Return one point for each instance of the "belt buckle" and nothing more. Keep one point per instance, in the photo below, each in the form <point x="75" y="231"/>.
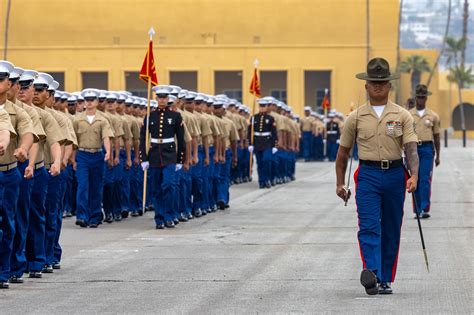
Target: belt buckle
<point x="385" y="164"/>
<point x="419" y="142"/>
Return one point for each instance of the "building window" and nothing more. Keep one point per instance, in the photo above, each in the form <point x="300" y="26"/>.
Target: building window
<point x="315" y="82"/>
<point x="184" y="79"/>
<point x="228" y="83"/>
<point x="274" y="83"/>
<point x="279" y="95"/>
<point x="96" y="80"/>
<point x="58" y="76"/>
<point x="134" y="85"/>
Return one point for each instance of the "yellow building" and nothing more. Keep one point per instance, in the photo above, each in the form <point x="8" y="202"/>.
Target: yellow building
<point x="303" y="46"/>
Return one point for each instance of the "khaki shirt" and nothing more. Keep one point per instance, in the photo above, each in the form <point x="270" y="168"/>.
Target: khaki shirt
<point x="62" y="121"/>
<point x="134" y="127"/>
<point x="318" y="127"/>
<point x="379" y="139"/>
<point x="116" y="124"/>
<point x="215" y="128"/>
<point x="427" y="125"/>
<point x="127" y="130"/>
<point x="187" y="135"/>
<point x="53" y="134"/>
<point x="233" y="117"/>
<point x="189" y="122"/>
<point x="22" y="124"/>
<point x="6" y="124"/>
<point x="35" y="119"/>
<point x="280" y="125"/>
<point x="204" y="125"/>
<point x="230" y="133"/>
<point x="307" y="123"/>
<point x="90" y="136"/>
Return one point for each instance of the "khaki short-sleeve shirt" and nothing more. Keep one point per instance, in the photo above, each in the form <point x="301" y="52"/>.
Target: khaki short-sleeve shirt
<point x="35" y="119"/>
<point x="134" y="127"/>
<point x="90" y="136"/>
<point x="379" y="138"/>
<point x="189" y="122"/>
<point x="307" y="123"/>
<point x="204" y="124"/>
<point x="62" y="122"/>
<point x="427" y="125"/>
<point x="280" y="124"/>
<point x="51" y="128"/>
<point x="22" y="124"/>
<point x="6" y="124"/>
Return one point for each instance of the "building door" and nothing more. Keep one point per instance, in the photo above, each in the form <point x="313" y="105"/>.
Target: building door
<point x="184" y="79"/>
<point x="315" y="82"/>
<point x="274" y="83"/>
<point x="228" y="83"/>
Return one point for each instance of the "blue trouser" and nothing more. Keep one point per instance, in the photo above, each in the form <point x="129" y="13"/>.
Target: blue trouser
<point x="205" y="183"/>
<point x="332" y="147"/>
<point x="57" y="252"/>
<point x="135" y="191"/>
<point x="425" y="173"/>
<point x="307" y="141"/>
<point x="178" y="203"/>
<point x="211" y="197"/>
<point x="246" y="163"/>
<point x="90" y="173"/>
<point x="355" y="152"/>
<point x="240" y="163"/>
<point x="163" y="192"/>
<point x="188" y="190"/>
<point x="108" y="190"/>
<point x="18" y="258"/>
<point x="224" y="178"/>
<point x="196" y="176"/>
<point x="318" y="148"/>
<point x="35" y="252"/>
<point x="264" y="165"/>
<point x="9" y="192"/>
<point x="380" y="195"/>
<point x="71" y="190"/>
<point x="116" y="203"/>
<point x="51" y="216"/>
<point x="124" y="183"/>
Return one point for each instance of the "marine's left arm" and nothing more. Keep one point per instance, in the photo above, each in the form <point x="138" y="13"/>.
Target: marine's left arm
<point x="410" y="144"/>
<point x="436" y="138"/>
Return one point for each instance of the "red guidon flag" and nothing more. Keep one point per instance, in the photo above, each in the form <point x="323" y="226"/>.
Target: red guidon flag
<point x="255" y="84"/>
<point x="148" y="72"/>
<point x="325" y="103"/>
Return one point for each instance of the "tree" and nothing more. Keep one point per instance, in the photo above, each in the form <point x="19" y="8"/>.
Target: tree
<point x="446" y="31"/>
<point x="455" y="46"/>
<point x="465" y="18"/>
<point x="461" y="77"/>
<point x="416" y="65"/>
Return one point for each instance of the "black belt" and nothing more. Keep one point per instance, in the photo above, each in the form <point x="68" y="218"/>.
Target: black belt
<point x="425" y="142"/>
<point x="384" y="164"/>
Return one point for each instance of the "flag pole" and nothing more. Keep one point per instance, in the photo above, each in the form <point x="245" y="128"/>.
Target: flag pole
<point x="151" y="32"/>
<point x="252" y="120"/>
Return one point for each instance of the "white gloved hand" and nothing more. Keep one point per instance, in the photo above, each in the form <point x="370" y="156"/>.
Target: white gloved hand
<point x="324" y="140"/>
<point x="338" y="141"/>
<point x="178" y="167"/>
<point x="274" y="150"/>
<point x="145" y="165"/>
<point x="251" y="148"/>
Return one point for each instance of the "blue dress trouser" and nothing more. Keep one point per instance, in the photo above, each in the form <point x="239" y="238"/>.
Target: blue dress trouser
<point x="18" y="259"/>
<point x="90" y="173"/>
<point x="51" y="216"/>
<point x="205" y="183"/>
<point x="307" y="140"/>
<point x="332" y="148"/>
<point x="196" y="176"/>
<point x="188" y="197"/>
<point x="35" y="251"/>
<point x="108" y="190"/>
<point x="425" y="173"/>
<point x="125" y="183"/>
<point x="57" y="252"/>
<point x="264" y="165"/>
<point x="71" y="189"/>
<point x="163" y="192"/>
<point x="9" y="192"/>
<point x="212" y="177"/>
<point x="224" y="178"/>
<point x="318" y="144"/>
<point x="380" y="196"/>
<point x="135" y="192"/>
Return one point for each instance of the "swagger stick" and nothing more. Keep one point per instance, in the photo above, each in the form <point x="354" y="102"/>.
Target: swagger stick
<point x="348" y="187"/>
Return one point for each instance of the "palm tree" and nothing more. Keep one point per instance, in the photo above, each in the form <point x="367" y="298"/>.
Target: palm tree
<point x="446" y="31"/>
<point x="455" y="46"/>
<point x="416" y="65"/>
<point x="462" y="77"/>
<point x="465" y="18"/>
<point x="397" y="68"/>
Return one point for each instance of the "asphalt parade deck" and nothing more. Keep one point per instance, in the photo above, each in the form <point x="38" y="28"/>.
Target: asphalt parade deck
<point x="289" y="249"/>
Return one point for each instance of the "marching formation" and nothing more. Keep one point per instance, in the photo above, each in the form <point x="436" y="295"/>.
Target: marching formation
<point x="95" y="155"/>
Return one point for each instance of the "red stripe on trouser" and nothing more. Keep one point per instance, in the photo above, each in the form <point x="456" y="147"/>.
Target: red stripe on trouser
<point x="356" y="176"/>
<point x="395" y="263"/>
